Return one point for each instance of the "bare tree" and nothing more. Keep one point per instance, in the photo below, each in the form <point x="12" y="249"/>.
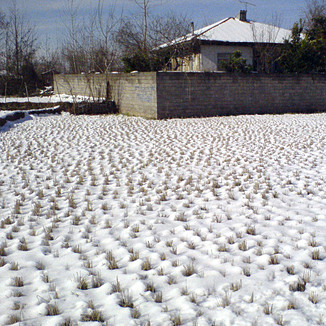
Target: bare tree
<point x="70" y="46"/>
<point x="266" y="49"/>
<point x="20" y="41"/>
<point x="165" y="29"/>
<point x="314" y="9"/>
<point x="89" y="41"/>
<point x="144" y="6"/>
<point x="104" y="50"/>
<point x="3" y="26"/>
<point x="139" y="39"/>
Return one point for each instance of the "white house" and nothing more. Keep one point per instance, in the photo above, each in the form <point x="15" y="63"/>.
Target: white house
<point x="204" y="49"/>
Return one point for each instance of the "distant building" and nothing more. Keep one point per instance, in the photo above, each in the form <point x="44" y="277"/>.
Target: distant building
<point x="204" y="49"/>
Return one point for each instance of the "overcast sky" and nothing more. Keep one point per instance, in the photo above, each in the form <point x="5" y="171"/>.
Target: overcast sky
<point x="49" y="15"/>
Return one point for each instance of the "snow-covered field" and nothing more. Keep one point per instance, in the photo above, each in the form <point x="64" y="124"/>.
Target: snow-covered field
<point x="45" y="99"/>
<point x="126" y="221"/>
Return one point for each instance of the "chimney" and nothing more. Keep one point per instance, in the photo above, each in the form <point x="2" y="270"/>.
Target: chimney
<point x="192" y="25"/>
<point x="242" y="16"/>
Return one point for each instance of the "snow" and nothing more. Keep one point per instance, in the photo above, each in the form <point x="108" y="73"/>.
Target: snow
<point x="234" y="30"/>
<point x="46" y="99"/>
<point x="5" y="113"/>
<point x="222" y="216"/>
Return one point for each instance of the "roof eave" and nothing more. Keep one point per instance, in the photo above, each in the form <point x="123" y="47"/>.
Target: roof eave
<point x="215" y="42"/>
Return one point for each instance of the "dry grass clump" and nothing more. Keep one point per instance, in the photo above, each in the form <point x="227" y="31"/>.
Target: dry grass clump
<point x="146" y="265"/>
<point x="299" y="286"/>
<point x="268" y="309"/>
<point x="126" y="300"/>
<point x="13" y="319"/>
<point x="96" y="281"/>
<point x="189" y="269"/>
<point x="112" y="261"/>
<point x="52" y="310"/>
<point x="226" y="300"/>
<point x="82" y="282"/>
<point x="93" y="315"/>
<point x="243" y="245"/>
<point x="315" y="255"/>
<point x="290" y="270"/>
<point x="176" y="320"/>
<point x="158" y="298"/>
<point x="135" y="313"/>
<point x="2" y="262"/>
<point x="3" y="250"/>
<point x="14" y="266"/>
<point x="273" y="260"/>
<point x="23" y="245"/>
<point x="236" y="286"/>
<point x="18" y="281"/>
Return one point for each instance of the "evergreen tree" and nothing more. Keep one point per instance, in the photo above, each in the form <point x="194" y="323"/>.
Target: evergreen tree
<point x="306" y="51"/>
<point x="236" y="63"/>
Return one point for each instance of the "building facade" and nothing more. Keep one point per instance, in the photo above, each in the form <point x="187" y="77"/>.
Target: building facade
<point x="205" y="49"/>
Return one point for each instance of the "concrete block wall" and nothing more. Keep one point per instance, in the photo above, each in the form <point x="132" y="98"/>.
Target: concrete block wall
<point x="211" y="94"/>
<point x="92" y="85"/>
<point x="135" y="93"/>
<point x="164" y="95"/>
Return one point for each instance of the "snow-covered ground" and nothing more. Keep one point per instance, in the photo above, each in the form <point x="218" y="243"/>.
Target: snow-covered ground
<point x="5" y="113"/>
<point x="46" y="99"/>
<point x="217" y="221"/>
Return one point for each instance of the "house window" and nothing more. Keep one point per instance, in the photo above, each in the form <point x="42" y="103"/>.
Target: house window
<point x="222" y="57"/>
